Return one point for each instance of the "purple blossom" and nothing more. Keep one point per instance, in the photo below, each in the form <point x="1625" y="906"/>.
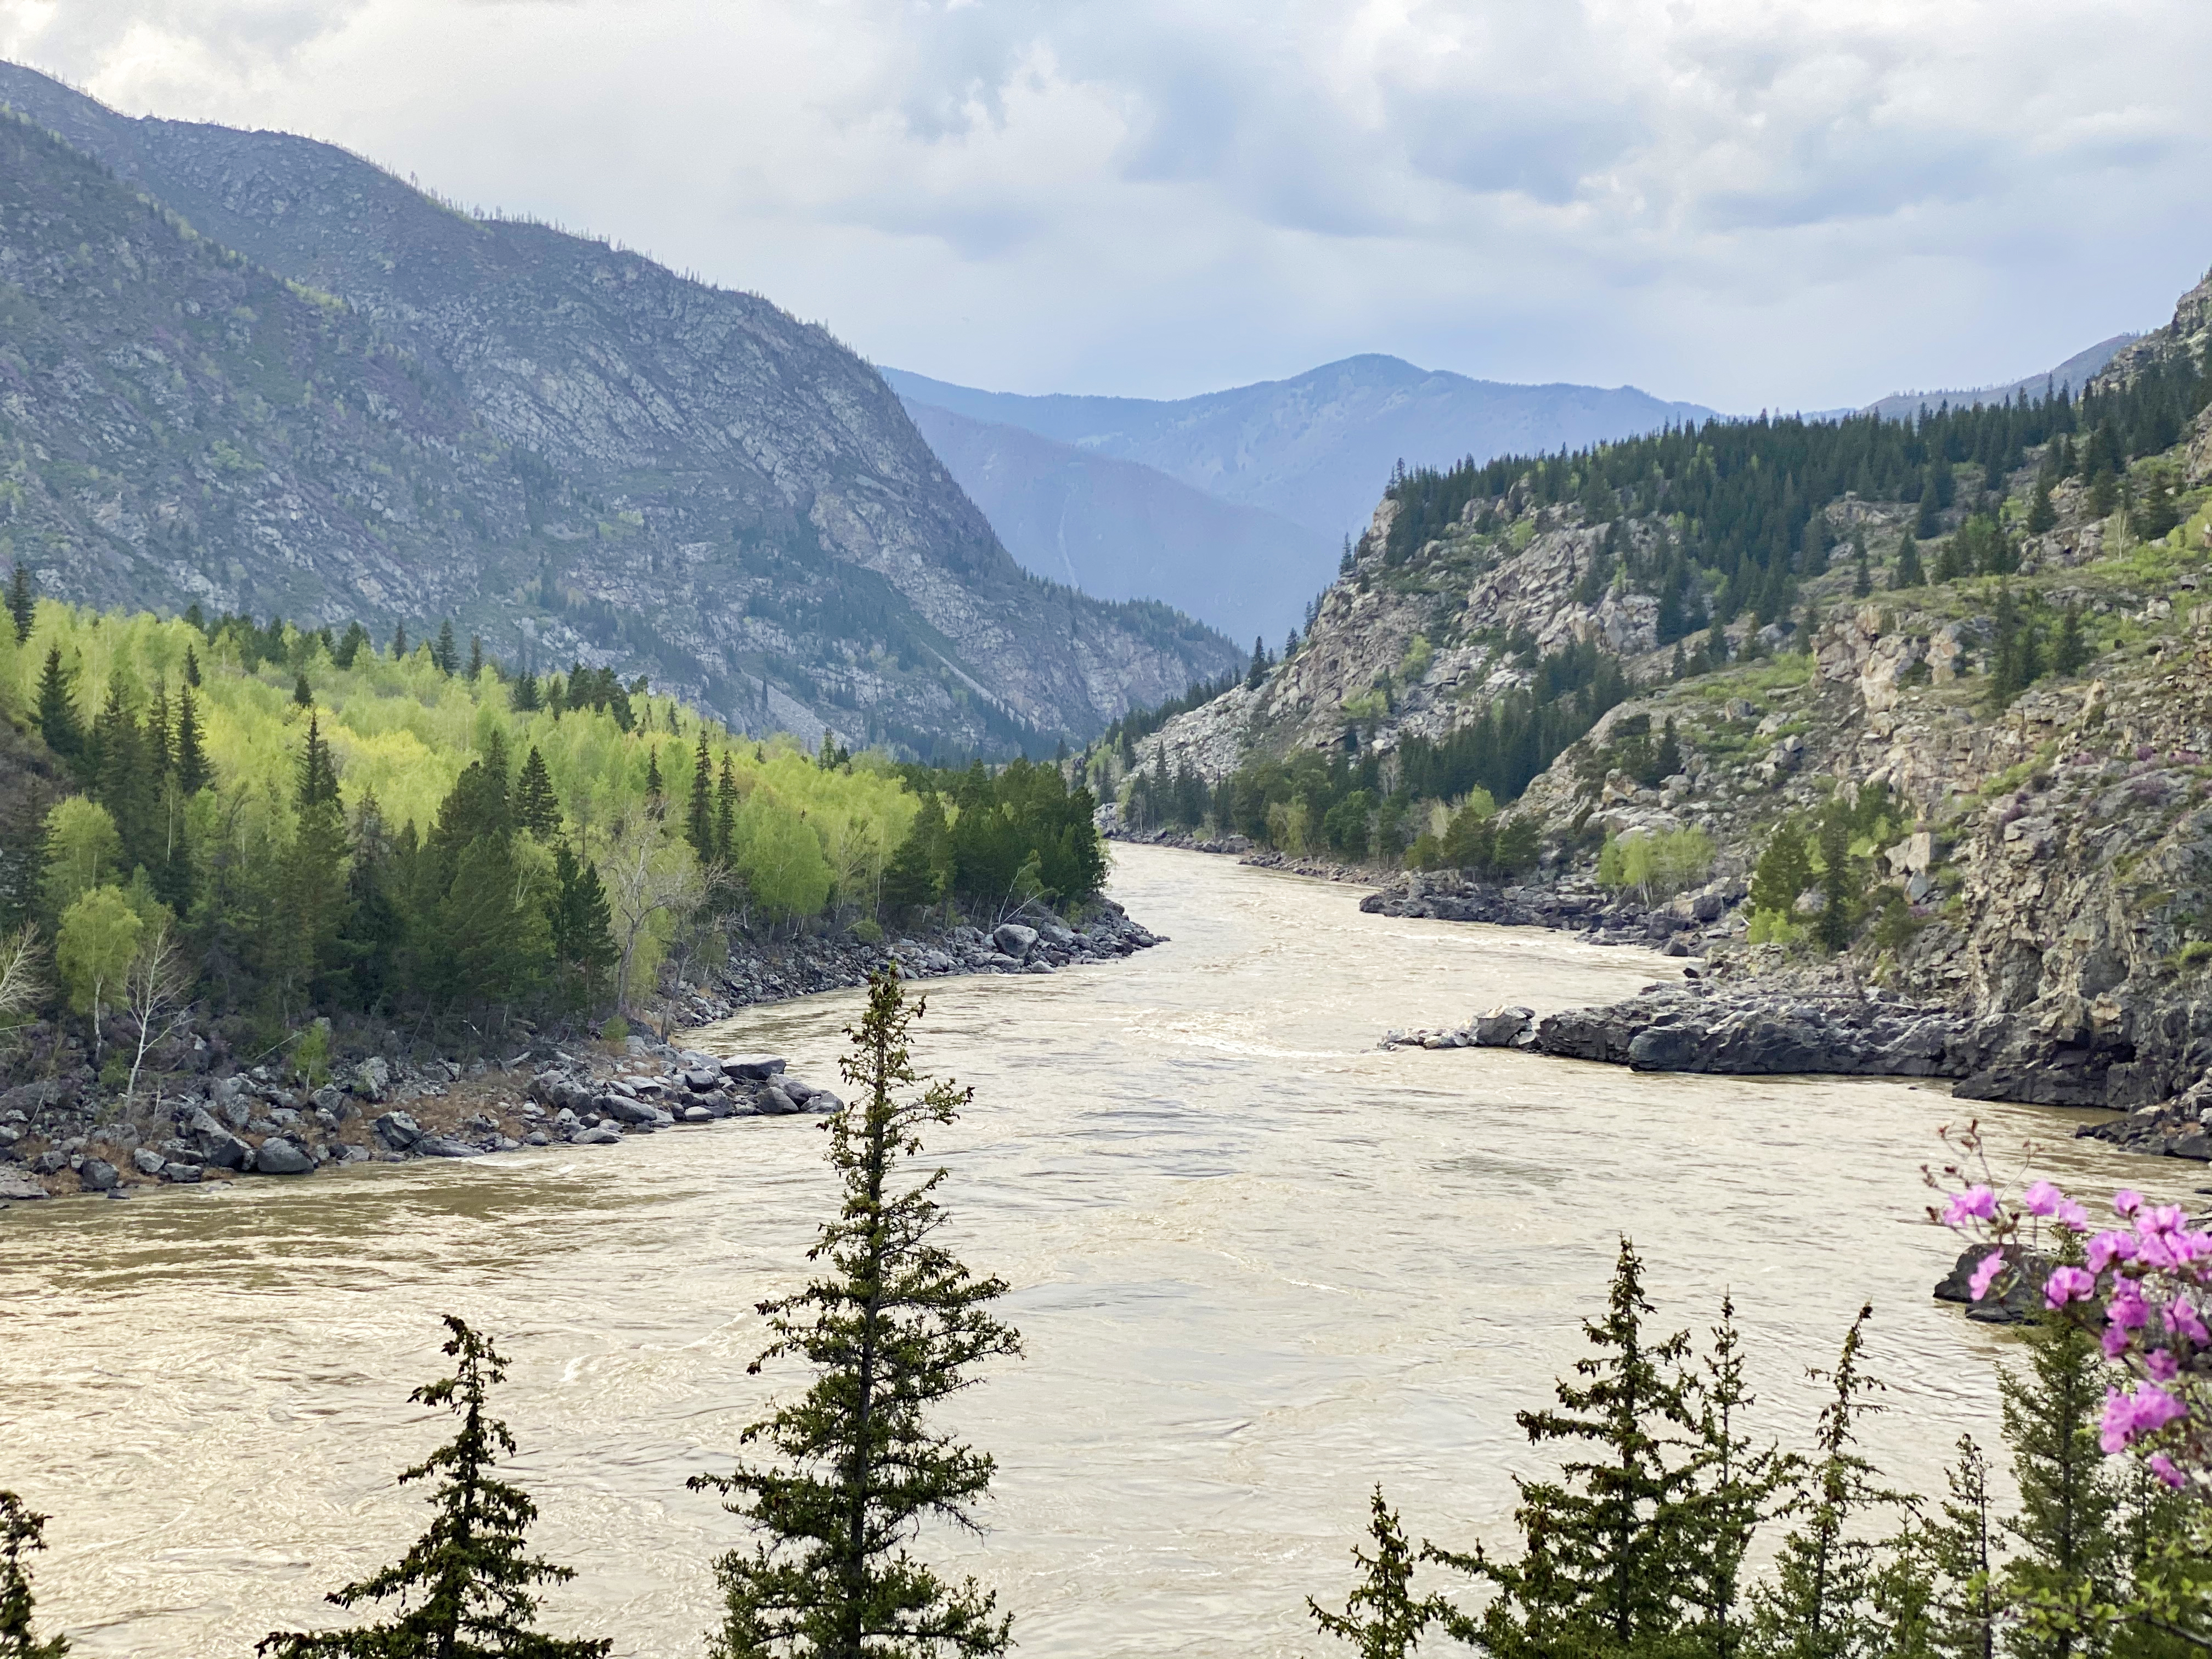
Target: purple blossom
<point x="2126" y="1201"/>
<point x="2129" y="1417"/>
<point x="2068" y="1284"/>
<point x="2044" y="1199"/>
<point x="1985" y="1274"/>
<point x="1975" y="1204"/>
<point x="2162" y="1466"/>
<point x="2105" y="1249"/>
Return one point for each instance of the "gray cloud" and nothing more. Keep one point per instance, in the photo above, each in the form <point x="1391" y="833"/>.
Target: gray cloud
<point x="1746" y="202"/>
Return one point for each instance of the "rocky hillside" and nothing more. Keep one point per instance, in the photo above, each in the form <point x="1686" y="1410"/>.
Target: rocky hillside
<point x="2013" y="738"/>
<point x="263" y="374"/>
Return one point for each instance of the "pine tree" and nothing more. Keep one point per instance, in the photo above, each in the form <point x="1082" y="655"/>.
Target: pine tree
<point x="2072" y="652"/>
<point x="303" y="694"/>
<point x="445" y="655"/>
<point x="726" y="816"/>
<point x="1838" y="892"/>
<point x="125" y="778"/>
<point x="1962" y="1549"/>
<point x="1734" y="1481"/>
<point x="1820" y="1602"/>
<point x="1383" y="1619"/>
<point x="655" y="791"/>
<point x="2156" y="514"/>
<point x="1258" y="671"/>
<point x="893" y="1328"/>
<point x="582" y="926"/>
<point x="1861" y="578"/>
<point x="476" y="658"/>
<point x="191" y="667"/>
<point x="467" y="1578"/>
<point x="1784" y="871"/>
<point x="312" y="916"/>
<point x="2066" y="1564"/>
<point x="525" y="698"/>
<point x="398" y="640"/>
<point x="916" y="877"/>
<point x="349" y="647"/>
<point x="23" y="603"/>
<point x="22" y="1534"/>
<point x="193" y="773"/>
<point x="699" y="819"/>
<point x="2042" y="516"/>
<point x="58" y="716"/>
<point x="536" y="809"/>
<point x="2164" y="1535"/>
<point x="1611" y="1547"/>
<point x="1908" y="573"/>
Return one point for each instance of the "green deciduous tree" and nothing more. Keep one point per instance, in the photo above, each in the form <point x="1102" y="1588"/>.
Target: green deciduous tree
<point x="22" y="1535"/>
<point x="466" y="1586"/>
<point x="892" y="1328"/>
<point x="94" y="948"/>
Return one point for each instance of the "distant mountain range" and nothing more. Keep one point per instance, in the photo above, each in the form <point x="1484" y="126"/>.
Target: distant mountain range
<point x="2071" y="376"/>
<point x="256" y="372"/>
<point x="1302" y="459"/>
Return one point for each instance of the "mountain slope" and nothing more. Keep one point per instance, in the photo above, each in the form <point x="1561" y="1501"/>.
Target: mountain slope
<point x="1310" y="448"/>
<point x="1121" y="530"/>
<point x="2071" y="375"/>
<point x="699" y="485"/>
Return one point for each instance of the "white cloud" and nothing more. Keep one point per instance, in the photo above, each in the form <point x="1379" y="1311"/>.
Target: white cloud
<point x="1745" y="202"/>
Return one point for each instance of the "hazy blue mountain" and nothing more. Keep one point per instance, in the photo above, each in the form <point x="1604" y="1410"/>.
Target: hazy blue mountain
<point x="2073" y="374"/>
<point x="1121" y="530"/>
<point x="323" y="392"/>
<point x="1316" y="449"/>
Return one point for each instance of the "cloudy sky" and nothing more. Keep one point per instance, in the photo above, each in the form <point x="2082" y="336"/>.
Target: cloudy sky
<point x="1745" y="202"/>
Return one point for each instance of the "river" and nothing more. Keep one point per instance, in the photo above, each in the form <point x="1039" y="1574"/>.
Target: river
<point x="1259" y="1266"/>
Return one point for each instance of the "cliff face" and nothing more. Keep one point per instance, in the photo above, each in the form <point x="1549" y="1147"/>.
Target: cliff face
<point x="2044" y="862"/>
<point x="705" y="487"/>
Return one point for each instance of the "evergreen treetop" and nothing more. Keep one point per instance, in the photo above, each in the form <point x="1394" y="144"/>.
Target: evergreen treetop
<point x="22" y="1535"/>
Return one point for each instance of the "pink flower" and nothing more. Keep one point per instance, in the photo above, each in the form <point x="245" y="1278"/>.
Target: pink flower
<point x="2126" y="1308"/>
<point x="2116" y="1341"/>
<point x="2161" y="1364"/>
<point x="2127" y="1201"/>
<point x="2043" y="1199"/>
<point x="2068" y="1284"/>
<point x="1975" y="1204"/>
<point x="2129" y="1417"/>
<point x="2162" y="1466"/>
<point x="2105" y="1249"/>
<point x="1985" y="1274"/>
<point x="2182" y="1320"/>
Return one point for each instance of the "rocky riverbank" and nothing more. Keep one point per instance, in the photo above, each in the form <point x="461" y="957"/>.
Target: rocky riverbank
<point x="220" y="1122"/>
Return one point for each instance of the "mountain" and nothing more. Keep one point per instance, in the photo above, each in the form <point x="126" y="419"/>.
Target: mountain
<point x="288" y="380"/>
<point x="1122" y="530"/>
<point x="1842" y="704"/>
<point x="1310" y="449"/>
<point x="2071" y="375"/>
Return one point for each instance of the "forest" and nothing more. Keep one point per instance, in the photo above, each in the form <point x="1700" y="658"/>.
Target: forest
<point x="279" y="824"/>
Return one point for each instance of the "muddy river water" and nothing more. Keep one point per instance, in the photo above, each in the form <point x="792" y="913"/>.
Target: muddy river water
<point x="1258" y="1264"/>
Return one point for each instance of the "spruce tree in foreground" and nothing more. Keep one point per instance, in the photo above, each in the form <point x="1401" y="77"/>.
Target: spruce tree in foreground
<point x="1383" y="1619"/>
<point x="894" y="1326"/>
<point x="2064" y="1578"/>
<point x="1611" y="1547"/>
<point x="23" y="1533"/>
<point x="465" y="1584"/>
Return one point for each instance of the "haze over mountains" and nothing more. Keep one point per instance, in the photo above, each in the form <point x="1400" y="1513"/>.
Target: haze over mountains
<point x="380" y="407"/>
<point x="1312" y="453"/>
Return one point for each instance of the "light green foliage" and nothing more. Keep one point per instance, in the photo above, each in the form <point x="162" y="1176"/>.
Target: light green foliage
<point x="1658" y="864"/>
<point x="1419" y="654"/>
<point x="98" y="938"/>
<point x="83" y="849"/>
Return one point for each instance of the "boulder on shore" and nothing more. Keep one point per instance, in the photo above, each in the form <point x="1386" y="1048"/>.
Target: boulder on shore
<point x="277" y="1156"/>
<point x="753" y="1068"/>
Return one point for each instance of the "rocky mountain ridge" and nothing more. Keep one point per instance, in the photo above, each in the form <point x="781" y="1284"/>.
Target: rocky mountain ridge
<point x="574" y="452"/>
<point x="2035" y="858"/>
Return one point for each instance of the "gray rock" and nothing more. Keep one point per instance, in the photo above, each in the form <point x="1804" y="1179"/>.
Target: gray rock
<point x="753" y="1068"/>
<point x="697" y="1114"/>
<point x="183" y="1173"/>
<point x="1501" y="1027"/>
<point x="599" y="1137"/>
<point x="626" y="1111"/>
<point x="537" y="1137"/>
<point x="148" y="1161"/>
<point x="700" y="1080"/>
<point x="800" y="1092"/>
<point x="399" y="1131"/>
<point x="823" y="1102"/>
<point x="509" y="1144"/>
<point x="333" y="1101"/>
<point x="14" y="1183"/>
<point x="444" y="1147"/>
<point x="372" y="1077"/>
<point x="215" y="1145"/>
<point x="277" y="1156"/>
<point x="1014" y="939"/>
<point x="774" y="1102"/>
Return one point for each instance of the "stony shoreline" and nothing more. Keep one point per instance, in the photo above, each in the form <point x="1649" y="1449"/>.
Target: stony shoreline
<point x="56" y="1140"/>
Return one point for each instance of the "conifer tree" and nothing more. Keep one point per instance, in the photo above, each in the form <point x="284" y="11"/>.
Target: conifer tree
<point x="892" y="1329"/>
<point x="536" y="809"/>
<point x="1784" y="870"/>
<point x="398" y="640"/>
<point x="1820" y="1602"/>
<point x="57" y="717"/>
<point x="23" y="603"/>
<point x="2041" y="514"/>
<point x="699" y="819"/>
<point x="349" y="646"/>
<point x="2067" y="1559"/>
<point x="1734" y="1481"/>
<point x="1908" y="573"/>
<point x="22" y="1534"/>
<point x="193" y="772"/>
<point x="917" y="875"/>
<point x="726" y="815"/>
<point x="191" y="667"/>
<point x="656" y="793"/>
<point x="156" y="743"/>
<point x="525" y="698"/>
<point x="445" y="653"/>
<point x="1861" y="578"/>
<point x="475" y="657"/>
<point x="1612" y="1544"/>
<point x="1961" y="1547"/>
<point x="465" y="1587"/>
<point x="1838" y="892"/>
<point x="1258" y="671"/>
<point x="312" y="914"/>
<point x="1383" y="1619"/>
<point x="303" y="694"/>
<point x="2072" y="652"/>
<point x="582" y="927"/>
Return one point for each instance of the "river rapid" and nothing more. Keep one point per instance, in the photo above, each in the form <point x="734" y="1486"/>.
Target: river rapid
<point x="1259" y="1267"/>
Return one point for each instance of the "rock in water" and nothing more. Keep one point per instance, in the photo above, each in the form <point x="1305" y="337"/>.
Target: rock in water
<point x="601" y="1136"/>
<point x="16" y="1183"/>
<point x="217" y="1144"/>
<point x="753" y="1068"/>
<point x="445" y="1146"/>
<point x="1016" y="940"/>
<point x="777" y="1103"/>
<point x="277" y="1156"/>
